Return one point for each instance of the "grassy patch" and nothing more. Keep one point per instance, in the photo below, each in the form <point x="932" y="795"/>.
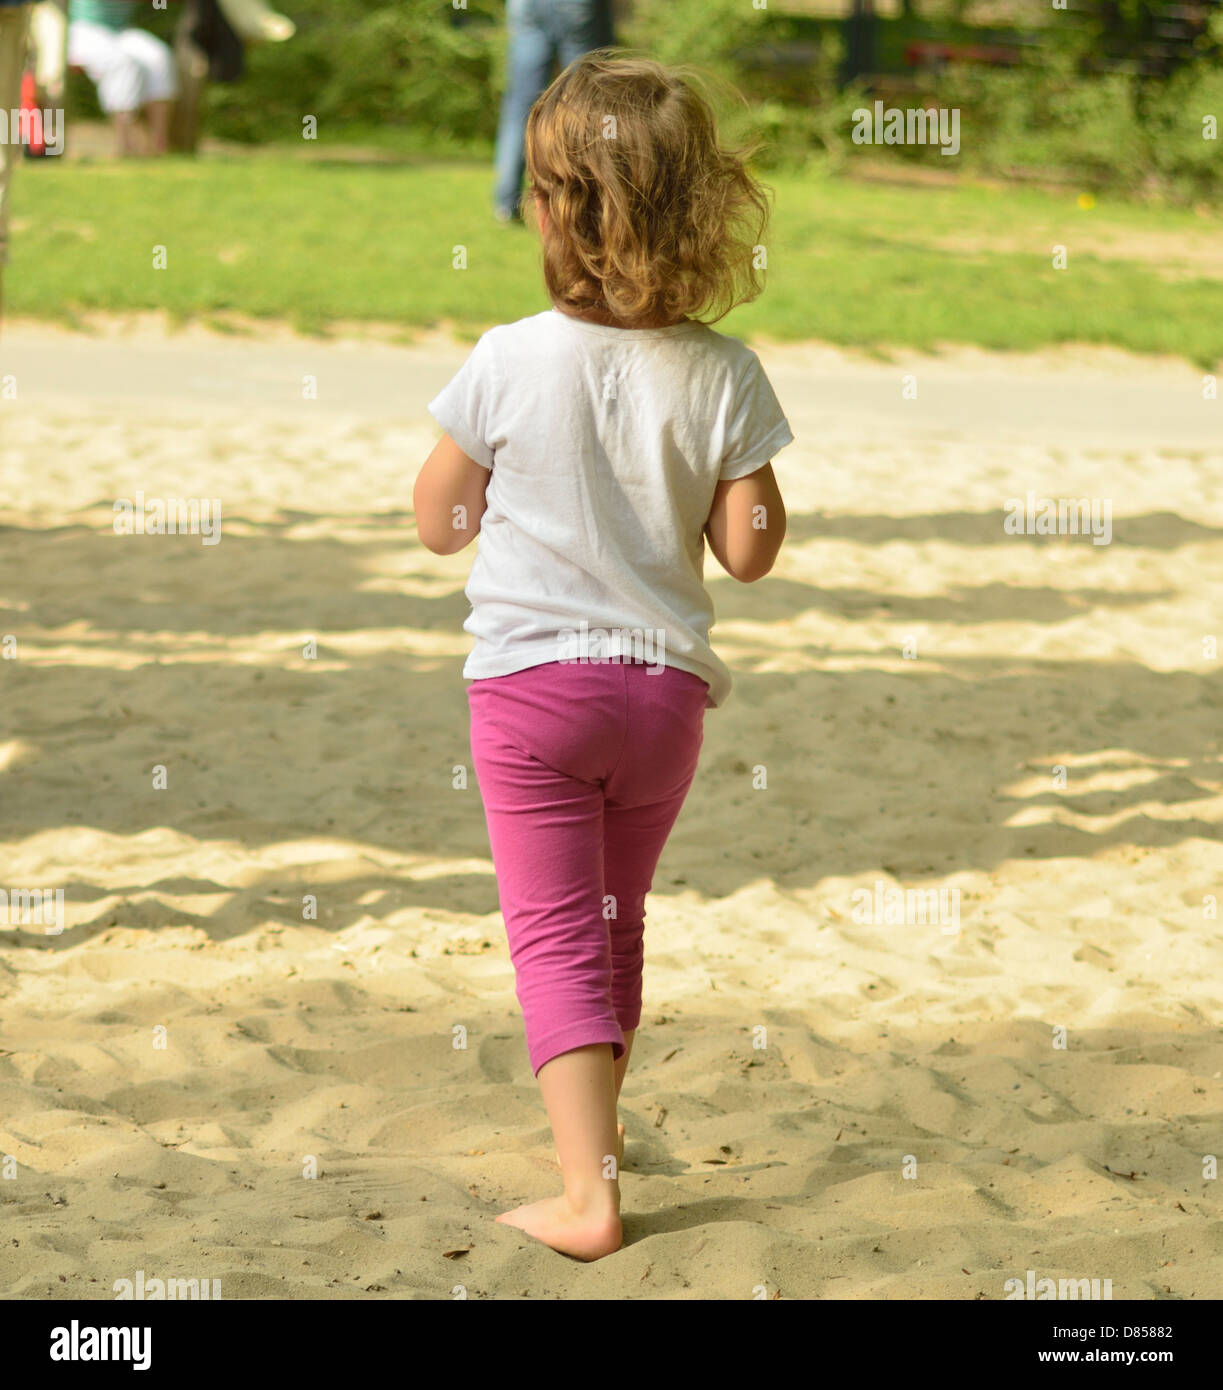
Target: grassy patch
<point x="854" y="263"/>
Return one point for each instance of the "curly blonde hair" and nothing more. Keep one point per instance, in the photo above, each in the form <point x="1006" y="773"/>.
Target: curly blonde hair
<point x="650" y="217"/>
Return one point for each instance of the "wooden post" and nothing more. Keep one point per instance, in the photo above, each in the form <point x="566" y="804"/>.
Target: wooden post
<point x="860" y="39"/>
<point x="192" y="81"/>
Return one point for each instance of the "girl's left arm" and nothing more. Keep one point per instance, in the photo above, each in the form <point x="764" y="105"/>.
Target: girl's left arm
<point x="449" y="498"/>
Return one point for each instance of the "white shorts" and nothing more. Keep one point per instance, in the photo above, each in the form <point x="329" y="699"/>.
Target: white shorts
<point x="129" y="69"/>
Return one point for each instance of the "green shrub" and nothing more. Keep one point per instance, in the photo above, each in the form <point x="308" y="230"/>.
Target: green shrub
<point x="1181" y="159"/>
<point x="794" y="113"/>
<point x="706" y="33"/>
<point x="417" y="63"/>
<point x="1046" y="119"/>
<point x="422" y="75"/>
<point x="1113" y="131"/>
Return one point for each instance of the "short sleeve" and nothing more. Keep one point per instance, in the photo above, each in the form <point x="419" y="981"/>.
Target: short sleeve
<point x="464" y="407"/>
<point x="757" y="428"/>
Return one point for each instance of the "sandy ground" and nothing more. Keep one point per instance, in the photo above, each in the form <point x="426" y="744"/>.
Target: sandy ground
<point x="174" y="1062"/>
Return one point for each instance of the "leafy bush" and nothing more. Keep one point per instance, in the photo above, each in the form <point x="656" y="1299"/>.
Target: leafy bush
<point x="1112" y="131"/>
<point x="418" y="63"/>
<point x="706" y="33"/>
<point x="433" y="75"/>
<point x="793" y="112"/>
<point x="1180" y="158"/>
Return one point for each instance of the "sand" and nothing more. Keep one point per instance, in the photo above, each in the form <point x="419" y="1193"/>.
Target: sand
<point x="177" y="1061"/>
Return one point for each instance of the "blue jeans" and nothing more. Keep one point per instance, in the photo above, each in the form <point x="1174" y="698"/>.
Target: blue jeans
<point x="541" y="32"/>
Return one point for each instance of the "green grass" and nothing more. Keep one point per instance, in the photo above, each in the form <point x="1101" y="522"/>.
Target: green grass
<point x="849" y="262"/>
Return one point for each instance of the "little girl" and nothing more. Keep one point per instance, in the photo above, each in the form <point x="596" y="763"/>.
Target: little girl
<point x="595" y="448"/>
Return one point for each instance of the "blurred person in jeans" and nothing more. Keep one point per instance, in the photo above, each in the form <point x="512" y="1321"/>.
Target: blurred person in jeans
<point x="541" y="32"/>
<point x="14" y="23"/>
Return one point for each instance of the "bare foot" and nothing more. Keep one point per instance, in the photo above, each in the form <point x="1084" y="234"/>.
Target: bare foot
<point x="619" y="1148"/>
<point x="585" y="1237"/>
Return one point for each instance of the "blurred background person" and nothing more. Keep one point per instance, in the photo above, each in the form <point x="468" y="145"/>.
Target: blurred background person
<point x="542" y="33"/>
<point x="14" y="22"/>
<point x="210" y="45"/>
<point x="133" y="70"/>
<point x="47" y="54"/>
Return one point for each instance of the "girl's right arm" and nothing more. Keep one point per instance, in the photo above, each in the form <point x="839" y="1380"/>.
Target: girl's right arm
<point x="747" y="524"/>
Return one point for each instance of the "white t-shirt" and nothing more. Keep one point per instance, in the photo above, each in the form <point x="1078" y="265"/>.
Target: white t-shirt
<point x="605" y="445"/>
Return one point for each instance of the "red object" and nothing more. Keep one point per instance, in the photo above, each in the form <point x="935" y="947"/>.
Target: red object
<point x="925" y="51"/>
<point x="29" y="103"/>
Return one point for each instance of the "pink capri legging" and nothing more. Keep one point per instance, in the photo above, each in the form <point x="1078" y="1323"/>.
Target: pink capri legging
<point x="582" y="770"/>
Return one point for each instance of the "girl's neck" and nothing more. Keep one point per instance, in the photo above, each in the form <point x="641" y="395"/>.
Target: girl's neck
<point x="601" y="316"/>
